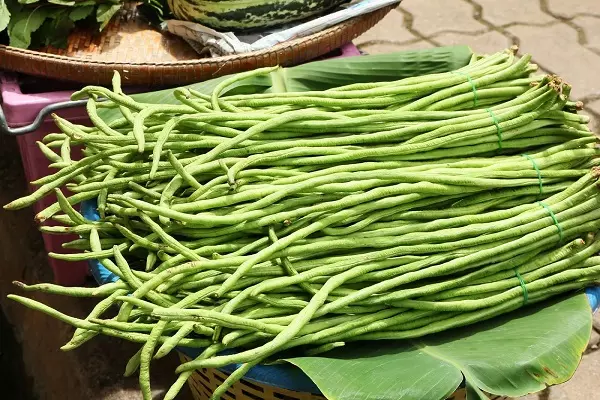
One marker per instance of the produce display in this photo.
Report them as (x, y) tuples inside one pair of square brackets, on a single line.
[(284, 222), (39, 23), (243, 14)]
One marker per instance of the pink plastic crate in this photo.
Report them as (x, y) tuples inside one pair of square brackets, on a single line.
[(21, 109)]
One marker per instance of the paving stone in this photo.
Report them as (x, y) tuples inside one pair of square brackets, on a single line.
[(584, 384), (489, 42), (389, 28), (594, 340), (594, 126), (594, 105), (597, 315), (567, 9), (432, 16), (541, 71), (594, 123), (592, 109), (510, 11), (533, 396), (591, 28), (556, 48), (556, 393)]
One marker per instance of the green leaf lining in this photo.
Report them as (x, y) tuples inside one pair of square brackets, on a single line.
[(512, 355)]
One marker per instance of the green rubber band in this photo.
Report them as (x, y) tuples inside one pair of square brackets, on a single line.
[(498, 129), (523, 286), (537, 170), (473, 87), (560, 231)]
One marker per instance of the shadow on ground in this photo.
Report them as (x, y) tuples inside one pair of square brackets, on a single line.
[(15, 383)]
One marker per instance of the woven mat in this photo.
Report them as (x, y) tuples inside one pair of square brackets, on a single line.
[(128, 39)]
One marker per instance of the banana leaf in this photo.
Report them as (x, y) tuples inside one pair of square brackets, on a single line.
[(321, 75), (512, 355)]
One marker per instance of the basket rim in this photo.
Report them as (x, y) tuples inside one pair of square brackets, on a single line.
[(332, 31)]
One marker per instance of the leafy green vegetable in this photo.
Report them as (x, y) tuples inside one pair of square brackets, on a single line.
[(512, 355), (105, 13), (79, 13), (4, 15), (70, 3), (37, 23), (55, 30), (24, 24), (155, 11)]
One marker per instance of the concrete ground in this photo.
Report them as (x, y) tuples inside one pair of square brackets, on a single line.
[(563, 38)]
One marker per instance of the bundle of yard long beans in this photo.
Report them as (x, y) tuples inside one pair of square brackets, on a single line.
[(301, 221)]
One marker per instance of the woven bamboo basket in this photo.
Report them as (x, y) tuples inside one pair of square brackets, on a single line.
[(144, 56), (204, 381)]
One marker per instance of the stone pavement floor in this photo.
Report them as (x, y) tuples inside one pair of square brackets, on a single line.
[(564, 39)]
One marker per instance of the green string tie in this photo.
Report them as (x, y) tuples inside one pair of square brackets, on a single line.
[(523, 286), (473, 87), (537, 170), (560, 231), (498, 129)]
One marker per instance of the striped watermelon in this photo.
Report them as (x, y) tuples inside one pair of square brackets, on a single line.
[(238, 15)]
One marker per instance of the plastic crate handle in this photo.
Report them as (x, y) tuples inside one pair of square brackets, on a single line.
[(39, 119)]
